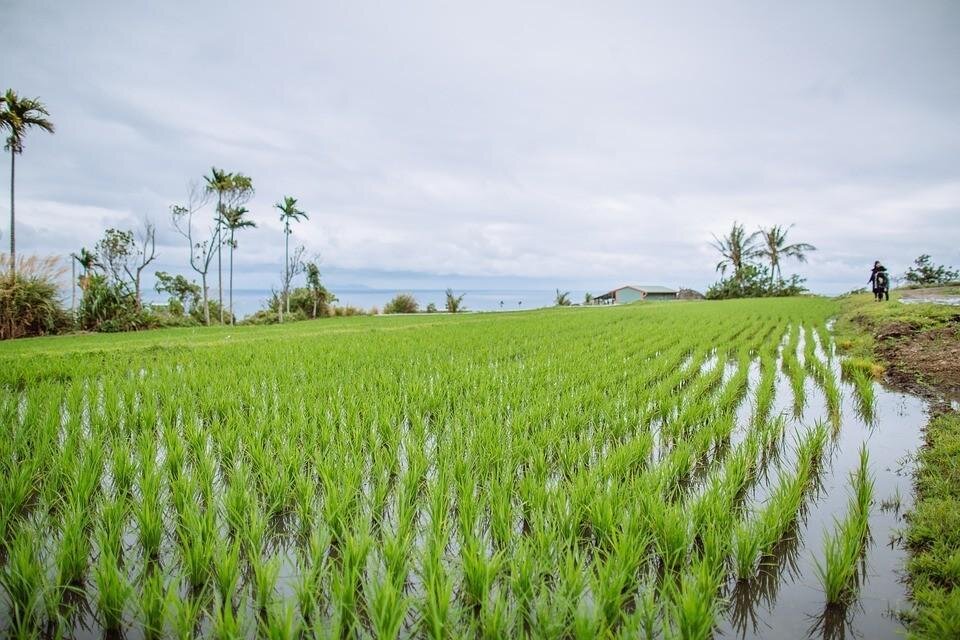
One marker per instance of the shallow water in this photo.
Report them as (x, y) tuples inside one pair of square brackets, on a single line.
[(787, 600), (948, 300)]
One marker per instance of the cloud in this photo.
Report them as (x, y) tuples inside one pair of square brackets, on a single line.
[(560, 144)]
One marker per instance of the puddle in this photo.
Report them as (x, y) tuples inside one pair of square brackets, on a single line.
[(787, 600), (948, 300)]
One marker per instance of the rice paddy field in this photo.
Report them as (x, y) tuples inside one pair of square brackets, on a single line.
[(678, 470)]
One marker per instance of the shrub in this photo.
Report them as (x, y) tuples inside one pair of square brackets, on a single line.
[(454, 303), (925, 273), (110, 306), (30, 303), (351, 311), (402, 303), (754, 282)]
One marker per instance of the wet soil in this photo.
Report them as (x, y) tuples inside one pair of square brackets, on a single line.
[(924, 362)]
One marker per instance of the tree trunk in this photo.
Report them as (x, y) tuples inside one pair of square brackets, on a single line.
[(219, 248), (136, 287), (314, 308), (13, 233), (206, 304), (286, 273), (233, 318), (286, 283), (73, 286)]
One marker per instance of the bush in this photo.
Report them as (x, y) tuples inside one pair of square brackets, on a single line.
[(110, 307), (755, 282), (30, 303), (454, 304), (196, 312), (402, 303), (351, 311), (925, 273)]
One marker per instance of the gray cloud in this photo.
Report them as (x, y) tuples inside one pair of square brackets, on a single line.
[(559, 143)]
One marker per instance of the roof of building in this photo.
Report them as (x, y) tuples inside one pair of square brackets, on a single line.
[(642, 289), (651, 289)]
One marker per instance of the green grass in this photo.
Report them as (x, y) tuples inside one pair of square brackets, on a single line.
[(934, 533), (564, 473), (934, 523)]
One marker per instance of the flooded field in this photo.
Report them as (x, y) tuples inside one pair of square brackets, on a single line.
[(668, 470)]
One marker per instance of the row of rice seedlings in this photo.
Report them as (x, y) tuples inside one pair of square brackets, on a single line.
[(840, 571), (864, 393), (791, 366), (758, 536)]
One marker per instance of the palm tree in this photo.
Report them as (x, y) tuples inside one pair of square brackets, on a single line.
[(737, 249), (17, 115), (219, 182), (88, 262), (562, 299), (288, 213), (775, 248), (234, 220)]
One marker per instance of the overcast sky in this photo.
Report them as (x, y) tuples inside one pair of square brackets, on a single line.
[(516, 144)]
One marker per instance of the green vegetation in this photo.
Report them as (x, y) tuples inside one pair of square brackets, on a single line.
[(934, 533), (738, 252), (841, 570), (926, 274), (915, 345), (402, 303), (30, 299), (440, 475)]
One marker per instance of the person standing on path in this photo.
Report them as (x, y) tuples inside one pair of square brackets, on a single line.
[(880, 281)]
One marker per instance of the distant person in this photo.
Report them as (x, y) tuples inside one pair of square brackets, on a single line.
[(880, 281)]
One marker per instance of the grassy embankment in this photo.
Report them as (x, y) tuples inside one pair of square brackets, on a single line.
[(918, 346)]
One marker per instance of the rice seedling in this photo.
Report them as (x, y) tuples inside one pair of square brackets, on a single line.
[(386, 608), (113, 590), (227, 622), (153, 604), (74, 548), (23, 582)]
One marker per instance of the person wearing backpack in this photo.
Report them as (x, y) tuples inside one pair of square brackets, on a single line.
[(880, 281)]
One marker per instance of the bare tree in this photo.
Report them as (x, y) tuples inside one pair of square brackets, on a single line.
[(124, 256), (144, 253), (294, 266), (201, 251)]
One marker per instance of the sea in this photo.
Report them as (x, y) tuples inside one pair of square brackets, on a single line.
[(248, 301)]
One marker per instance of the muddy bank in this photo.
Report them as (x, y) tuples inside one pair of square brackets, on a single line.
[(917, 344)]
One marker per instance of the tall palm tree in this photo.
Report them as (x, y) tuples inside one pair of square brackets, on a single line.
[(234, 220), (219, 182), (17, 115), (288, 213), (775, 248), (737, 249)]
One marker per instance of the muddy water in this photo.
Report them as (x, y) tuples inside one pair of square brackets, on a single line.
[(787, 600)]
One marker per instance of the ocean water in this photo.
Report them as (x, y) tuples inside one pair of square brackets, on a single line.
[(248, 301)]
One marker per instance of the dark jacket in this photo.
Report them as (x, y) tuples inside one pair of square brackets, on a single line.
[(879, 279)]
